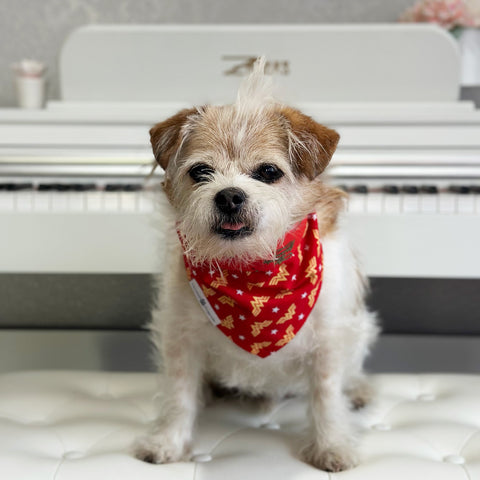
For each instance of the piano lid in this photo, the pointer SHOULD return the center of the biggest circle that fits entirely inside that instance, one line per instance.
(311, 63)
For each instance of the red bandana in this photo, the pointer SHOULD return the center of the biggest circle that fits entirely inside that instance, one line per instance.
(262, 306)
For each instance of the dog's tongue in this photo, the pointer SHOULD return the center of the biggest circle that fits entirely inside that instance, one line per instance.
(232, 226)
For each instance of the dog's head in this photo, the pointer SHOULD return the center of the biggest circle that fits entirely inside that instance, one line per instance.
(240, 176)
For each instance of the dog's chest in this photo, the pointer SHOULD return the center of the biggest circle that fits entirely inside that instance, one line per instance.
(282, 373)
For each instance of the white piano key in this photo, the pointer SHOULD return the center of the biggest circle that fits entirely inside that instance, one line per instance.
(94, 201)
(59, 201)
(429, 203)
(410, 203)
(392, 204)
(41, 201)
(447, 203)
(111, 201)
(76, 202)
(145, 202)
(7, 201)
(465, 203)
(357, 202)
(24, 201)
(128, 201)
(374, 202)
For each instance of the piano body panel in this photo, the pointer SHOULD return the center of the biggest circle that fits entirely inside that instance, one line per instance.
(417, 245)
(78, 243)
(122, 242)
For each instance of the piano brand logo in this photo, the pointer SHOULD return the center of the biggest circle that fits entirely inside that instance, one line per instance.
(243, 64)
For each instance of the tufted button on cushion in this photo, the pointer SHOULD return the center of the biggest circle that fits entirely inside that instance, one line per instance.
(202, 458)
(381, 427)
(457, 459)
(80, 425)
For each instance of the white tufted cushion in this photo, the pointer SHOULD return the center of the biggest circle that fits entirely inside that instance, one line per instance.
(79, 425)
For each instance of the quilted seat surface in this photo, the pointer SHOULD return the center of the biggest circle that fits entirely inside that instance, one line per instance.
(68, 425)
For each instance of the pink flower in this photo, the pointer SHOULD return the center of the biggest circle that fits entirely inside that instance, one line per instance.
(446, 13)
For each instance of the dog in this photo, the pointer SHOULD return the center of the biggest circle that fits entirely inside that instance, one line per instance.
(261, 292)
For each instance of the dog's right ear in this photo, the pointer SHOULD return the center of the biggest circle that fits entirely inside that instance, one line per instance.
(166, 137)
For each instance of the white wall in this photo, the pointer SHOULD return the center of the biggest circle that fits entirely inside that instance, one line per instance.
(37, 28)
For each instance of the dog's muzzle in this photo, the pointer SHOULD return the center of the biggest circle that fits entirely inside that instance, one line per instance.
(230, 203)
(230, 200)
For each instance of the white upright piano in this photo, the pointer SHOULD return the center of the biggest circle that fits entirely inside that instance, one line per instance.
(76, 197)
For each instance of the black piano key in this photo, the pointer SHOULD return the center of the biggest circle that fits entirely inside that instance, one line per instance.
(410, 189)
(83, 187)
(113, 187)
(460, 189)
(359, 189)
(57, 187)
(16, 186)
(132, 187)
(391, 189)
(475, 189)
(342, 187)
(429, 189)
(62, 187)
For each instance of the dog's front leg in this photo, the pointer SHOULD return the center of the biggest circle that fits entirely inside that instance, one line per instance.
(170, 436)
(330, 444)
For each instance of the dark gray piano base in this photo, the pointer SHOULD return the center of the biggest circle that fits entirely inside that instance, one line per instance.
(131, 351)
(405, 305)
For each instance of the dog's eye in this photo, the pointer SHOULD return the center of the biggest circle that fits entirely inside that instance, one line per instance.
(201, 172)
(267, 173)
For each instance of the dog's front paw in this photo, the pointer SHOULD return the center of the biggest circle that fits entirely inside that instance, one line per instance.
(329, 459)
(160, 448)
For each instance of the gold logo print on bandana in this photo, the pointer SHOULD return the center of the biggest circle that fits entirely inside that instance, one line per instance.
(313, 296)
(208, 292)
(221, 280)
(283, 293)
(289, 335)
(227, 322)
(289, 315)
(311, 271)
(257, 327)
(256, 347)
(227, 300)
(281, 276)
(257, 304)
(251, 285)
(316, 235)
(299, 254)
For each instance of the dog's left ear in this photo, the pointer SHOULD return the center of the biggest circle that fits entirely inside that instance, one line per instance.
(311, 145)
(166, 137)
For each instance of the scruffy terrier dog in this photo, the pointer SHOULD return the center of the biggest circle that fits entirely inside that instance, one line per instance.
(262, 293)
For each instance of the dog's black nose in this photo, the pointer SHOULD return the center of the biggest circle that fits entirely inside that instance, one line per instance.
(230, 200)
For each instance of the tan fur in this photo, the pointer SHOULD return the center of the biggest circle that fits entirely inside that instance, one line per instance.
(324, 360)
(165, 137)
(312, 144)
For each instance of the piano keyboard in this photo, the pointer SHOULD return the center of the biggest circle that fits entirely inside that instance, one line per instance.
(88, 197)
(136, 197)
(410, 198)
